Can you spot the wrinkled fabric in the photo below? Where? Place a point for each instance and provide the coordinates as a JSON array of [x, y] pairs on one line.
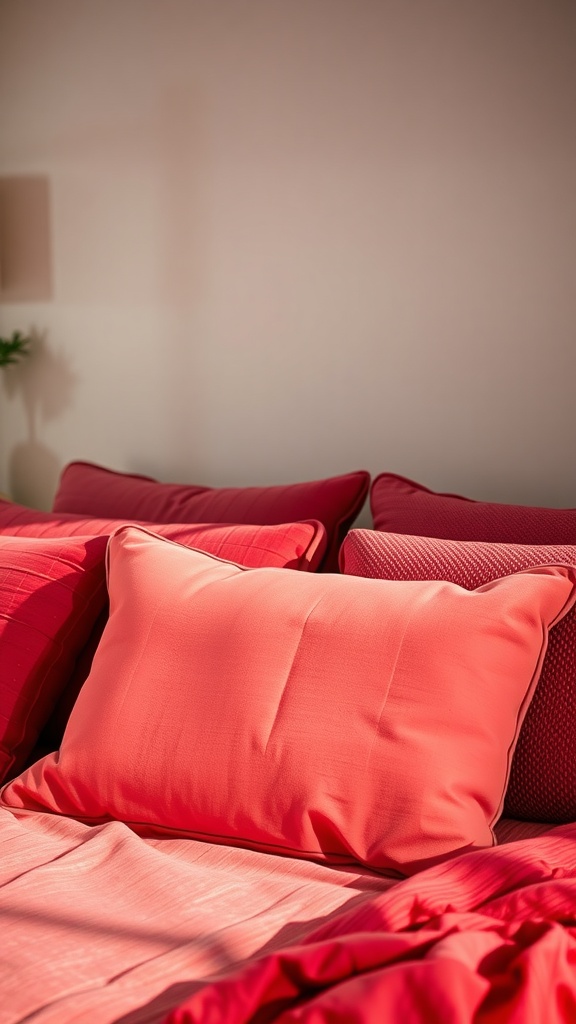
[[487, 938], [101, 926]]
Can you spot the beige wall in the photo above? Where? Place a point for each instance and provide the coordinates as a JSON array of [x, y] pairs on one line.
[[270, 240]]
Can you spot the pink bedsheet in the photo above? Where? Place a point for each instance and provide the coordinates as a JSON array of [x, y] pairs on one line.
[[100, 926], [488, 938]]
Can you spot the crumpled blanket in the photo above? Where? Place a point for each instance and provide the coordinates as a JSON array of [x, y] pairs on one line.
[[486, 938]]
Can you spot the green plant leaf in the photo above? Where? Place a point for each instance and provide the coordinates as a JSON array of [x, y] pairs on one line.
[[13, 348]]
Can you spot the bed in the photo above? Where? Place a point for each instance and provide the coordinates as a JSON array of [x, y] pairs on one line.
[[260, 765]]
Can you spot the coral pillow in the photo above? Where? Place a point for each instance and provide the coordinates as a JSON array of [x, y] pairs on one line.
[[51, 592], [399, 505], [542, 783], [93, 490], [320, 716]]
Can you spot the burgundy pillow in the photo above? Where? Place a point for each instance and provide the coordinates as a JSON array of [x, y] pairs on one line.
[[400, 505], [51, 593], [542, 785], [89, 489]]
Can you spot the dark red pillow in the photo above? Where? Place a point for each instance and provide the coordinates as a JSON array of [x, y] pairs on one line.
[[51, 593], [542, 785], [400, 505], [88, 489]]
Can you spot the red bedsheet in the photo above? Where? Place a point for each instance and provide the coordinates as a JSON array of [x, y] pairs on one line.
[[489, 938]]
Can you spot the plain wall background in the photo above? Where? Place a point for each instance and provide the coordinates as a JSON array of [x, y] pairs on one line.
[[259, 241]]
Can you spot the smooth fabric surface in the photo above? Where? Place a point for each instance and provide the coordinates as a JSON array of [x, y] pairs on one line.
[[335, 501], [399, 505], [51, 592], [542, 784], [322, 716], [489, 938]]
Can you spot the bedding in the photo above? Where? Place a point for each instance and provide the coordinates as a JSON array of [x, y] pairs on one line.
[[542, 784], [102, 926], [51, 593], [291, 545], [485, 939], [400, 505], [298, 545], [112, 920], [335, 501], [293, 712]]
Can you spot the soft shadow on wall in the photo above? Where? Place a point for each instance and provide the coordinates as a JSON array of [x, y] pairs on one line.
[[43, 380], [45, 383]]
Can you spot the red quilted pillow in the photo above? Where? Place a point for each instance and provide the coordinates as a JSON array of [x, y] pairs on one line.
[[399, 505], [286, 545], [92, 490], [51, 592], [542, 785]]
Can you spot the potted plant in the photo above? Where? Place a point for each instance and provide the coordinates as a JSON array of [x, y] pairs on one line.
[[13, 348]]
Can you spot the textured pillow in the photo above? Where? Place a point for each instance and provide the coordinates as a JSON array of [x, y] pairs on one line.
[[299, 545], [399, 505], [320, 716], [93, 490], [542, 784], [51, 592], [287, 545]]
